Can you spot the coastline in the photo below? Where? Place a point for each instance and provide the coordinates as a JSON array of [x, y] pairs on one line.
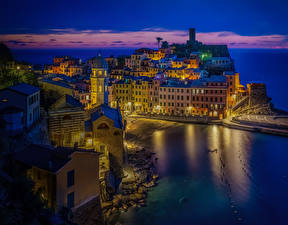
[[252, 127]]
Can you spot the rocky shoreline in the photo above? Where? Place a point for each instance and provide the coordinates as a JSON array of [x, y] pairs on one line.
[[140, 175]]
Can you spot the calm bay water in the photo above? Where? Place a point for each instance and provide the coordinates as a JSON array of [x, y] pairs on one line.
[[244, 182]]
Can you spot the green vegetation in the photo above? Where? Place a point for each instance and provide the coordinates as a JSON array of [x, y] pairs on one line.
[[205, 55], [10, 77], [12, 72], [165, 44]]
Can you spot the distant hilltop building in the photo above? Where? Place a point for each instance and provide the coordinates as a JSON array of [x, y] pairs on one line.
[[192, 35]]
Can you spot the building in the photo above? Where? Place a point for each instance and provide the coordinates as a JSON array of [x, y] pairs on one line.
[[55, 88], [65, 177], [192, 35], [66, 122], [99, 82], [204, 97], [104, 133], [233, 87], [12, 120], [257, 94], [26, 98], [132, 94]]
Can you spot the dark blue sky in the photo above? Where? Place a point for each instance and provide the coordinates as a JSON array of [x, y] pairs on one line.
[[244, 17], [117, 23]]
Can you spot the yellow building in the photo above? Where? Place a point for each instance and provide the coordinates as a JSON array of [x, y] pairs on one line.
[[156, 55], [122, 92], [65, 177], [176, 73], [233, 84], [132, 94], [99, 82], [140, 95], [104, 133]]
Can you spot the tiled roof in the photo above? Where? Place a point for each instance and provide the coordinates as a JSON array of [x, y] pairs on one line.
[[58, 83], [72, 101], [46, 157], [113, 114], [24, 88]]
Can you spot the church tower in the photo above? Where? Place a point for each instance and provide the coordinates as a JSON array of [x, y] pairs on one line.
[[99, 81]]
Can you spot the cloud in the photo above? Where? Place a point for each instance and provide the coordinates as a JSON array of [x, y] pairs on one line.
[[73, 38], [76, 42], [23, 43]]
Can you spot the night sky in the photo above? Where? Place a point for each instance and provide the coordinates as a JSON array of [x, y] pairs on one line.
[[87, 24]]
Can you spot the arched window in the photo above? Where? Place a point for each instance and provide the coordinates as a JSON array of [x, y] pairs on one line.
[[102, 126]]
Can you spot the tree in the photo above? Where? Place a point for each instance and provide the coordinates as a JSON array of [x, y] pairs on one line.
[[159, 39], [5, 53], [165, 44]]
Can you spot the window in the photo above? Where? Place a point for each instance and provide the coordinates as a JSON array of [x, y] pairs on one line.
[[103, 126], [70, 200], [70, 178]]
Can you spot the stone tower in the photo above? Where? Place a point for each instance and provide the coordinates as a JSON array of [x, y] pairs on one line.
[[192, 35], [99, 81]]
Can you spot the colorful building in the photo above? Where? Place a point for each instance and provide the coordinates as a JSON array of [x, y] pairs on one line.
[[65, 177]]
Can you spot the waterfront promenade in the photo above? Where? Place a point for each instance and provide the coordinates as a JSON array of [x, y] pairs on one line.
[[276, 125]]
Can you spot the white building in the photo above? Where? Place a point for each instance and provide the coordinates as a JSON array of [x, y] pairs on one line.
[[25, 97]]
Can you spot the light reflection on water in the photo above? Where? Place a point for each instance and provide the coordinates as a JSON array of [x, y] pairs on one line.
[[242, 183]]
